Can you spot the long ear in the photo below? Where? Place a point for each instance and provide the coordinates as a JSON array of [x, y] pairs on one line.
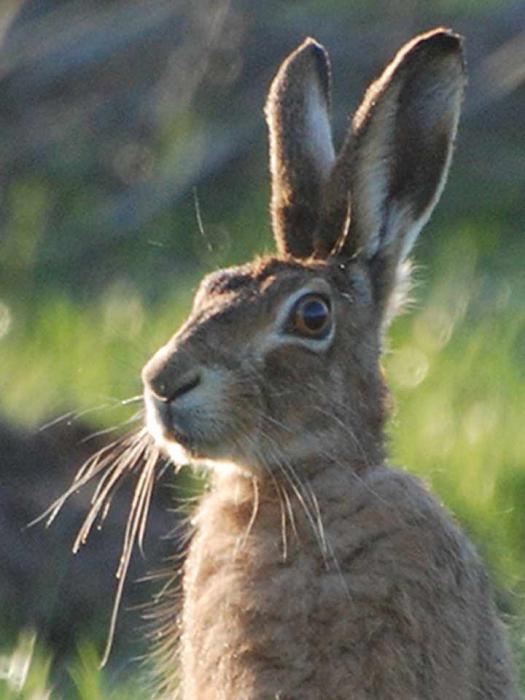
[[301, 150], [395, 161]]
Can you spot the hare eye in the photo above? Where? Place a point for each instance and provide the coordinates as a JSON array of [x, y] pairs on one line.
[[311, 316]]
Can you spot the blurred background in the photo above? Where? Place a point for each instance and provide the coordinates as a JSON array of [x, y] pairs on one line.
[[124, 125]]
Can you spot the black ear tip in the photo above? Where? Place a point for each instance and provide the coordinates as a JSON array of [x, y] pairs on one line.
[[440, 48], [311, 44], [318, 55], [310, 54], [311, 48], [441, 39]]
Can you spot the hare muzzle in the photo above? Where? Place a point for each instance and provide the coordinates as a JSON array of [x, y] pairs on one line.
[[195, 403], [178, 402]]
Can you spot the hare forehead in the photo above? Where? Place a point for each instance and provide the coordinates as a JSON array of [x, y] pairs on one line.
[[274, 279], [268, 279]]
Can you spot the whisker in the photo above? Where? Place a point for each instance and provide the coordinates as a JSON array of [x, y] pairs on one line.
[[131, 453], [139, 398], [71, 416], [91, 467], [310, 505], [134, 527], [298, 488], [56, 421], [253, 516], [150, 483], [128, 460], [107, 431]]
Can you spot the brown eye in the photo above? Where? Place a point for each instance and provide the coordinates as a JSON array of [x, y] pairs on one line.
[[311, 316]]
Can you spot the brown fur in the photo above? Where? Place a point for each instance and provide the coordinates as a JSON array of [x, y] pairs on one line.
[[314, 570]]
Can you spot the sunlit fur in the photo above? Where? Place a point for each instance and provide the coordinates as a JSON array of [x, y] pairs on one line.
[[312, 569]]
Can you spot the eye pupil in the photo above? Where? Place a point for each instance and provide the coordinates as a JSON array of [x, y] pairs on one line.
[[314, 314]]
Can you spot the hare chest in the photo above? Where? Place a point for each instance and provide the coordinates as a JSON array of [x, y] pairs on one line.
[[372, 598]]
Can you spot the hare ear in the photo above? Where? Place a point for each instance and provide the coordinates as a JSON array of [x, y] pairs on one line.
[[396, 159], [301, 150]]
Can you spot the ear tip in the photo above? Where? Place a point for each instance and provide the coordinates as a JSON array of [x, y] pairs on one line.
[[445, 35], [447, 48], [312, 50], [321, 59], [439, 49], [441, 40], [309, 59], [314, 47]]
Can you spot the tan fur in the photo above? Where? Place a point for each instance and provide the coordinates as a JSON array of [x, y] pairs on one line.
[[314, 571]]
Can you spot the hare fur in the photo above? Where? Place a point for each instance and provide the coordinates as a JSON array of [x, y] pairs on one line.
[[314, 570]]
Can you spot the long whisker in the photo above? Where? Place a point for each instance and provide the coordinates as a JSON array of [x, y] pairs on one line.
[[299, 490], [310, 505], [114, 428], [103, 494], [134, 528], [132, 453], [91, 468], [286, 509], [71, 416], [255, 509]]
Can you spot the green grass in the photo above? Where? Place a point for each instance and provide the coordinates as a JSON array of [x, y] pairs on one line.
[[456, 370], [25, 674], [24, 671]]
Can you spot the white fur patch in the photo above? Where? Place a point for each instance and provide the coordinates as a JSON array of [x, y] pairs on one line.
[[318, 130]]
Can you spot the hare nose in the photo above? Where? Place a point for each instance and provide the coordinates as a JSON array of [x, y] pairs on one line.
[[166, 387]]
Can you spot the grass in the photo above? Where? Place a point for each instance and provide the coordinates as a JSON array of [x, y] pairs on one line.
[[456, 369], [25, 674]]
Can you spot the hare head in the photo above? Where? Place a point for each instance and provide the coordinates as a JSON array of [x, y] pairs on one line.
[[279, 358]]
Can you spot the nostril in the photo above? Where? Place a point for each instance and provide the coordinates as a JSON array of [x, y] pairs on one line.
[[185, 387], [171, 391]]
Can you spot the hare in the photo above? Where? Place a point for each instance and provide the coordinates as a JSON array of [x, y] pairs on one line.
[[315, 571]]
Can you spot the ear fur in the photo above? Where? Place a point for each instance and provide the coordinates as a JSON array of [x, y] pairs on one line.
[[395, 162], [301, 150]]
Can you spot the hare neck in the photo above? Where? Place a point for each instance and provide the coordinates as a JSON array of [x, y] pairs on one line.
[[259, 546]]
